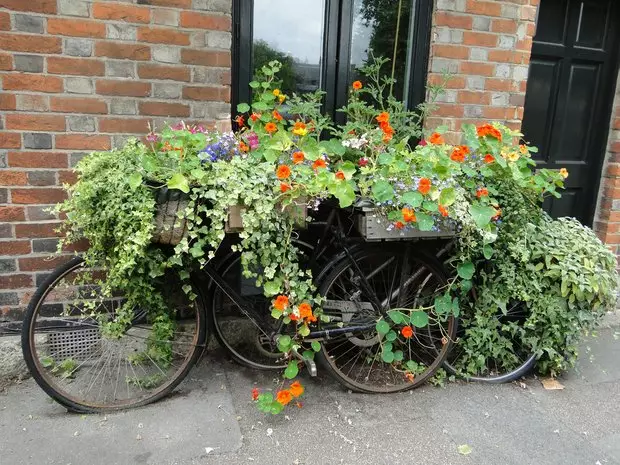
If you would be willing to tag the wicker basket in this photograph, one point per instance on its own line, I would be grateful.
(372, 226)
(169, 228)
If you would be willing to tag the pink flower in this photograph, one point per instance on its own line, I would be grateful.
(362, 161)
(422, 143)
(178, 127)
(152, 137)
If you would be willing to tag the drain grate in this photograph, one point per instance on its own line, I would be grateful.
(77, 344)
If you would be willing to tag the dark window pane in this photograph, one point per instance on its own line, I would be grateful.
(292, 33)
(551, 21)
(592, 25)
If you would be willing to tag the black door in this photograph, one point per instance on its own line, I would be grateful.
(570, 91)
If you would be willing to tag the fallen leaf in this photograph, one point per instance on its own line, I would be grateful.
(551, 384)
(464, 449)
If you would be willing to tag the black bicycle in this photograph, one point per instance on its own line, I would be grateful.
(86, 371)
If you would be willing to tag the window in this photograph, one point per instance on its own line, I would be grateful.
(322, 44)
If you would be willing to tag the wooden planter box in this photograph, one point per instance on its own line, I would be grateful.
(372, 226)
(297, 210)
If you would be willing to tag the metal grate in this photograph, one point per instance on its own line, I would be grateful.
(78, 344)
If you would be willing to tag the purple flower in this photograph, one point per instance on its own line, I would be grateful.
(178, 127)
(152, 137)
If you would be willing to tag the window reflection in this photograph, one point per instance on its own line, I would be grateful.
(292, 33)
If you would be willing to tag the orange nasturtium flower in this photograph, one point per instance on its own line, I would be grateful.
(240, 120)
(489, 130)
(459, 152)
(319, 163)
(564, 173)
(340, 175)
(488, 158)
(281, 302)
(357, 85)
(399, 225)
(410, 377)
(283, 172)
(436, 139)
(244, 147)
(166, 147)
(299, 129)
(254, 116)
(255, 394)
(523, 149)
(284, 396)
(276, 114)
(482, 192)
(443, 210)
(271, 127)
(298, 157)
(305, 310)
(284, 187)
(424, 186)
(296, 389)
(408, 215)
(407, 332)
(383, 117)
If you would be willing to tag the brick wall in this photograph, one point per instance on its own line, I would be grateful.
(83, 75)
(486, 47)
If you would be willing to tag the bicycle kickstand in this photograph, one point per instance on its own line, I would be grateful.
(308, 362)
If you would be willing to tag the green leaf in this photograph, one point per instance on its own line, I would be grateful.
(425, 222)
(348, 169)
(345, 194)
(178, 181)
(387, 357)
(430, 206)
(466, 270)
(412, 198)
(316, 346)
(333, 146)
(419, 319)
(135, 180)
(391, 336)
(447, 197)
(253, 85)
(243, 107)
(397, 317)
(270, 155)
(398, 355)
(464, 449)
(304, 330)
(291, 370)
(385, 158)
(272, 287)
(481, 214)
(383, 191)
(382, 327)
(260, 106)
(284, 343)
(487, 251)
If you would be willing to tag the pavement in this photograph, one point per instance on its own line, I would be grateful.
(211, 419)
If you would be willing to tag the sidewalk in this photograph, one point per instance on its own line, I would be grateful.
(211, 420)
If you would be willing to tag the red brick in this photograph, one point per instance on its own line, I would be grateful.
(124, 125)
(14, 247)
(506, 26)
(484, 8)
(207, 93)
(10, 140)
(615, 147)
(499, 85)
(32, 83)
(78, 105)
(42, 263)
(479, 39)
(446, 109)
(7, 102)
(40, 159)
(82, 142)
(495, 113)
(5, 21)
(171, 3)
(451, 51)
(614, 216)
(163, 109)
(193, 20)
(75, 27)
(10, 213)
(67, 177)
(13, 178)
(121, 12)
(15, 281)
(455, 82)
(35, 122)
(33, 230)
(475, 98)
(508, 56)
(6, 62)
(34, 6)
(524, 45)
(123, 88)
(477, 69)
(174, 73)
(30, 43)
(205, 58)
(613, 169)
(75, 66)
(161, 35)
(45, 195)
(453, 21)
(123, 50)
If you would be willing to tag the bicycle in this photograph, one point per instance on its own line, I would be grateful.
(85, 371)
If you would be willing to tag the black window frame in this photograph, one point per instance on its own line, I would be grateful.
(336, 43)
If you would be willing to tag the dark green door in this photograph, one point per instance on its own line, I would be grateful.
(570, 91)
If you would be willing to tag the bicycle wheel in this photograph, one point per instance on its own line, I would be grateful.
(508, 328)
(85, 370)
(356, 358)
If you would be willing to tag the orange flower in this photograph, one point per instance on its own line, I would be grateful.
(564, 173)
(523, 149)
(410, 377)
(357, 85)
(240, 120)
(482, 192)
(166, 147)
(489, 130)
(255, 394)
(276, 115)
(407, 332)
(281, 302)
(298, 157)
(284, 397)
(299, 129)
(424, 186)
(383, 117)
(498, 213)
(271, 127)
(319, 163)
(243, 147)
(254, 116)
(436, 139)
(443, 210)
(284, 187)
(296, 389)
(408, 215)
(488, 158)
(399, 225)
(340, 175)
(305, 310)
(459, 152)
(283, 172)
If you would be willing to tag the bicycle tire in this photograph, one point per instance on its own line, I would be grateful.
(328, 354)
(50, 382)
